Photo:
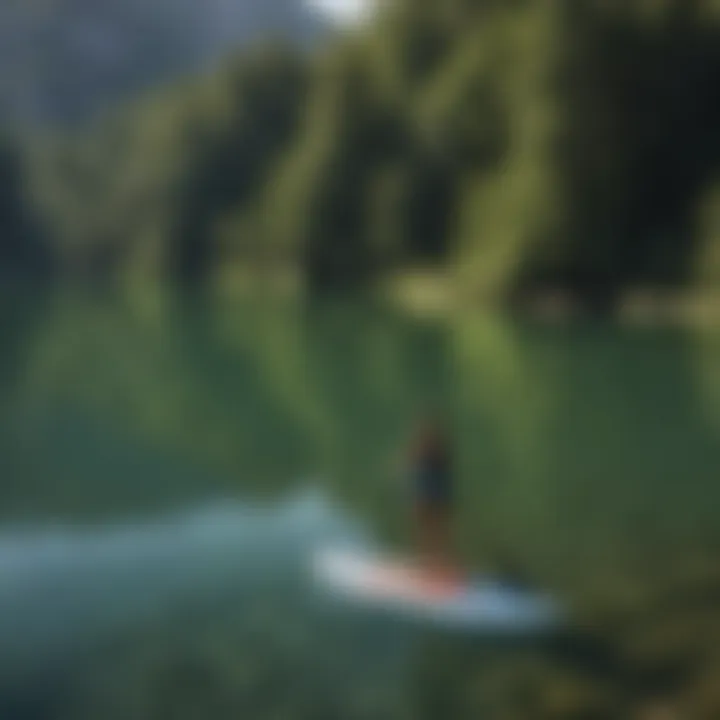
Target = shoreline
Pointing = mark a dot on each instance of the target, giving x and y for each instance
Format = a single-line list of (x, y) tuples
[(425, 294), (432, 293)]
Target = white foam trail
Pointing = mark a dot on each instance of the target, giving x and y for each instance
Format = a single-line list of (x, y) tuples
[(61, 587)]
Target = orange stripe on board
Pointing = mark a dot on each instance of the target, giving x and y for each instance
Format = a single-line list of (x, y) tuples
[(413, 583)]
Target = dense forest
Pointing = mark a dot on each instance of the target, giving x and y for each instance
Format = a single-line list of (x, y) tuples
[(23, 245), (519, 146)]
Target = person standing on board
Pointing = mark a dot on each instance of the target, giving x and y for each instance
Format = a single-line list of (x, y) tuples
[(428, 461)]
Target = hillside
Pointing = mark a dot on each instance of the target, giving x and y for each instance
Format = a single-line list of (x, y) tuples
[(68, 60), (521, 147), (23, 246)]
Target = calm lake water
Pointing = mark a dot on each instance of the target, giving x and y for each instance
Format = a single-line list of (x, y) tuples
[(170, 450)]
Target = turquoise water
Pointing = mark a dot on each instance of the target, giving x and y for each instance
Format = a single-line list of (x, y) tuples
[(585, 453)]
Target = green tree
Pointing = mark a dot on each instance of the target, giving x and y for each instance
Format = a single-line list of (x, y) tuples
[(522, 146), (22, 247)]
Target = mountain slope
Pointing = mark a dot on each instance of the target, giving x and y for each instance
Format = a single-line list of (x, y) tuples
[(68, 60)]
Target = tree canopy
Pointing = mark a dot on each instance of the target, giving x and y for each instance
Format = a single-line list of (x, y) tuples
[(517, 145)]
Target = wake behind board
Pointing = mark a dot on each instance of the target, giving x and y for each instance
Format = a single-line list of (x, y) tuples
[(481, 604)]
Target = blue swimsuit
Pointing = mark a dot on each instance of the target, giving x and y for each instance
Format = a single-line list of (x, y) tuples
[(432, 481)]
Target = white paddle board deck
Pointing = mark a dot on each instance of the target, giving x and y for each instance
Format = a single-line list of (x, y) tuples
[(482, 604)]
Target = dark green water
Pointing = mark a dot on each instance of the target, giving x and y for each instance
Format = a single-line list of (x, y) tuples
[(570, 440), (585, 453)]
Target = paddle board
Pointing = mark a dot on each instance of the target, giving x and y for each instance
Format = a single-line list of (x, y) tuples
[(479, 603)]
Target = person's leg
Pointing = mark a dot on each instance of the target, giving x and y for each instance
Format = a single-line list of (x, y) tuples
[(435, 538), (423, 532), (443, 538)]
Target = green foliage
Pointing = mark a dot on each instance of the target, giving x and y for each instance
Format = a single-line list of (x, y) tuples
[(324, 191), (147, 193), (22, 246), (243, 123), (521, 146)]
